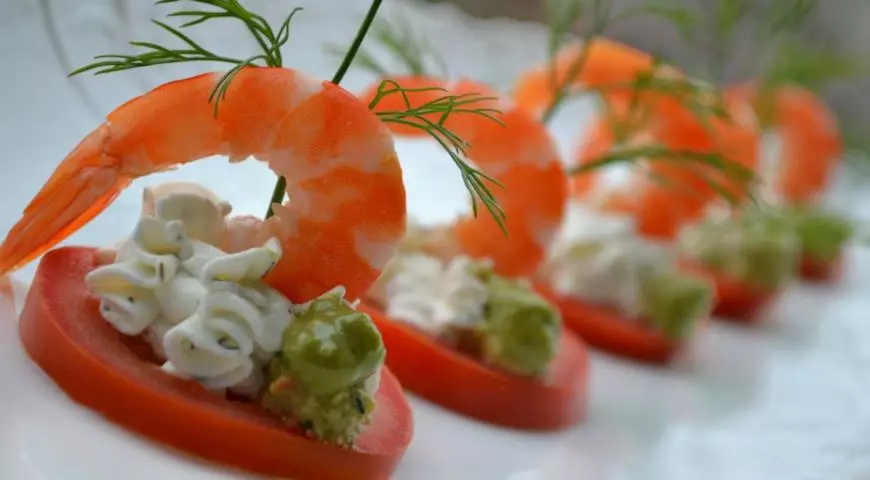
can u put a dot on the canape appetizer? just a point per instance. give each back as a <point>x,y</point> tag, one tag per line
<point>751,258</point>
<point>233,339</point>
<point>823,235</point>
<point>620,292</point>
<point>796,177</point>
<point>453,302</point>
<point>783,96</point>
<point>611,272</point>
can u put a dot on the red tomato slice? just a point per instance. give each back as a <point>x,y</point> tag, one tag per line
<point>64,334</point>
<point>609,330</point>
<point>735,300</point>
<point>821,271</point>
<point>461,383</point>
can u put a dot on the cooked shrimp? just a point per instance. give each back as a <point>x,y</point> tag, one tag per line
<point>521,155</point>
<point>664,195</point>
<point>607,63</point>
<point>810,139</point>
<point>346,212</point>
<point>616,73</point>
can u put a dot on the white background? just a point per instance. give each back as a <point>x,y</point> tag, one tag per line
<point>788,400</point>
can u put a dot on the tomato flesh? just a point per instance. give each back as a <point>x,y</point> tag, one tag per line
<point>736,301</point>
<point>463,384</point>
<point>607,329</point>
<point>62,332</point>
<point>821,271</point>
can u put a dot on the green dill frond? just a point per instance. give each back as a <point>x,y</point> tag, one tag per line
<point>811,67</point>
<point>152,54</point>
<point>442,108</point>
<point>692,160</point>
<point>786,17</point>
<point>399,39</point>
<point>565,15</point>
<point>281,185</point>
<point>683,17</point>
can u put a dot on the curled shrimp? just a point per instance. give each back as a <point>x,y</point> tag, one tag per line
<point>664,194</point>
<point>811,143</point>
<point>346,212</point>
<point>519,153</point>
<point>627,80</point>
<point>607,63</point>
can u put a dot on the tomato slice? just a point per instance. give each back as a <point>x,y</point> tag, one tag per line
<point>821,271</point>
<point>605,328</point>
<point>735,300</point>
<point>62,332</point>
<point>462,384</point>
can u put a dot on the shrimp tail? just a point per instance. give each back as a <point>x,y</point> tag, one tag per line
<point>84,184</point>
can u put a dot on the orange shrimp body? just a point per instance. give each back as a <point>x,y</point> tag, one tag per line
<point>521,155</point>
<point>811,140</point>
<point>667,194</point>
<point>607,63</point>
<point>347,209</point>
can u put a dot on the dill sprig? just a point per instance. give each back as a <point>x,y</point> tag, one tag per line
<point>700,98</point>
<point>727,16</point>
<point>680,16</point>
<point>421,118</point>
<point>786,16</point>
<point>399,39</point>
<point>271,41</point>
<point>788,58</point>
<point>564,15</point>
<point>808,66</point>
<point>280,186</point>
<point>663,153</point>
<point>153,54</point>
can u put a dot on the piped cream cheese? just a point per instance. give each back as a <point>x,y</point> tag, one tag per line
<point>599,258</point>
<point>206,312</point>
<point>431,295</point>
<point>238,322</point>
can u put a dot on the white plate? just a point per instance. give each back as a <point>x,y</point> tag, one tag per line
<point>789,400</point>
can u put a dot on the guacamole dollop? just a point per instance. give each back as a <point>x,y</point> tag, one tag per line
<point>322,378</point>
<point>519,331</point>
<point>673,301</point>
<point>759,248</point>
<point>822,234</point>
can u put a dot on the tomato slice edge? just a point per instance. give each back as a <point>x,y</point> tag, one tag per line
<point>607,330</point>
<point>822,271</point>
<point>179,413</point>
<point>461,383</point>
<point>735,300</point>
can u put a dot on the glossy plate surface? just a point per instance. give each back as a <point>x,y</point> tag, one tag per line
<point>786,400</point>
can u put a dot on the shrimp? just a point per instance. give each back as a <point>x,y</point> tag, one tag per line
<point>627,80</point>
<point>810,138</point>
<point>664,195</point>
<point>520,154</point>
<point>346,213</point>
<point>608,62</point>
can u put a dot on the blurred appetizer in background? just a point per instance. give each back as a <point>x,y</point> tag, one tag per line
<point>454,302</point>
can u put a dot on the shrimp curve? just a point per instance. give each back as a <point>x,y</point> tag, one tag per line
<point>520,154</point>
<point>346,213</point>
<point>811,140</point>
<point>608,63</point>
<point>664,195</point>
